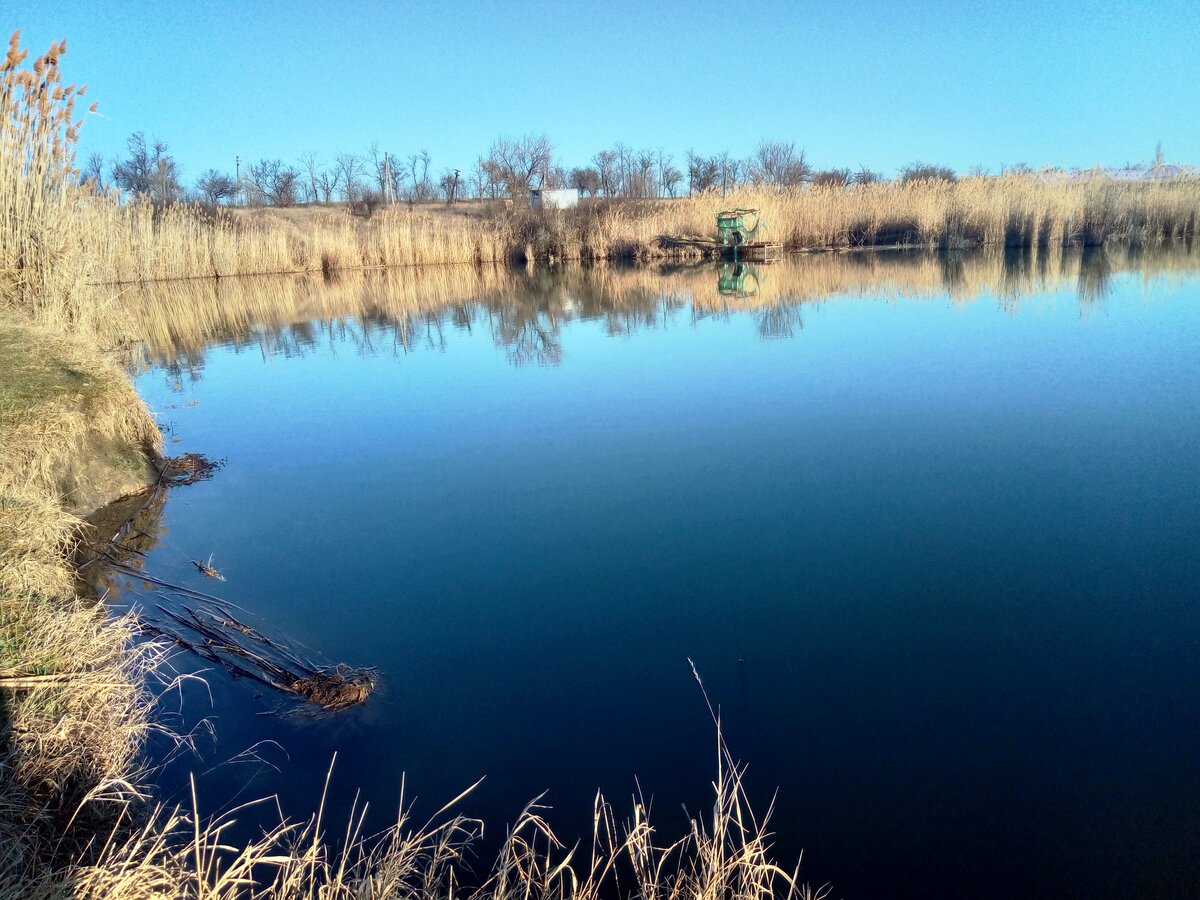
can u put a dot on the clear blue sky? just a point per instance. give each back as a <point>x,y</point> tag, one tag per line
<point>871,83</point>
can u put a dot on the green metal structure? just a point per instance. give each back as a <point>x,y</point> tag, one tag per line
<point>737,280</point>
<point>734,229</point>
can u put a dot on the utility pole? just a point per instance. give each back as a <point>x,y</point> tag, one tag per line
<point>237,165</point>
<point>389,193</point>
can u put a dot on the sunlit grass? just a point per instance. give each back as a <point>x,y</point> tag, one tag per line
<point>139,243</point>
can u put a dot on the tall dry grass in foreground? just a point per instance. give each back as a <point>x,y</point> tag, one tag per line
<point>73,707</point>
<point>725,855</point>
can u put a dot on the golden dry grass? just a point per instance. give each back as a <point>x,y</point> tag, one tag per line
<point>172,854</point>
<point>72,701</point>
<point>139,243</point>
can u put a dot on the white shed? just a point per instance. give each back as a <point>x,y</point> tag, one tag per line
<point>564,198</point>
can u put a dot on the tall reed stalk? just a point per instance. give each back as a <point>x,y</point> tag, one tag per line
<point>42,264</point>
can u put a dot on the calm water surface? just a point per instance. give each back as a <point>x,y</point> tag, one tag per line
<point>932,540</point>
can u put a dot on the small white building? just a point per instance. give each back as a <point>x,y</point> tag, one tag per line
<point>564,198</point>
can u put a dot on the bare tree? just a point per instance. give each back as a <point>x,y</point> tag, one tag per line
<point>385,168</point>
<point>214,186</point>
<point>920,171</point>
<point>92,173</point>
<point>421,188</point>
<point>866,176</point>
<point>348,169</point>
<point>310,166</point>
<point>515,164</point>
<point>703,172</point>
<point>149,171</point>
<point>667,184</point>
<point>729,170</point>
<point>777,163</point>
<point>448,185</point>
<point>327,181</point>
<point>377,166</point>
<point>481,179</point>
<point>585,180</point>
<point>642,181</point>
<point>555,177</point>
<point>272,182</point>
<point>831,177</point>
<point>606,169</point>
<point>671,178</point>
<point>624,167</point>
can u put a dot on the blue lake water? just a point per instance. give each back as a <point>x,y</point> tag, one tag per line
<point>932,541</point>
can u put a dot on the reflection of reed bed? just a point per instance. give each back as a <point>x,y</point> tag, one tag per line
<point>180,319</point>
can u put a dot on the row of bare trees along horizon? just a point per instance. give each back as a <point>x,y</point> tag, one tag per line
<point>510,169</point>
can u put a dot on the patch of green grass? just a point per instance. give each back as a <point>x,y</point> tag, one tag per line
<point>32,374</point>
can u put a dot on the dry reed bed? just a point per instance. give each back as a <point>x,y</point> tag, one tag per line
<point>139,243</point>
<point>71,687</point>
<point>726,856</point>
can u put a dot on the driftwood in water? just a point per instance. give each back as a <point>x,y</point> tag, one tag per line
<point>215,634</point>
<point>200,622</point>
<point>177,471</point>
<point>206,569</point>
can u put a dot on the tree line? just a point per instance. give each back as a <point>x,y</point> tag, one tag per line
<point>510,169</point>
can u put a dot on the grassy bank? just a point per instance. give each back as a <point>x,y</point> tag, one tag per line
<point>73,434</point>
<point>72,703</point>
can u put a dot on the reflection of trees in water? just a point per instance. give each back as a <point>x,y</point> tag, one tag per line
<point>524,336</point>
<point>526,310</point>
<point>780,321</point>
<point>1095,277</point>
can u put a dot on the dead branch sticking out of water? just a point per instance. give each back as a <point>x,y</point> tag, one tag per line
<point>206,626</point>
<point>215,634</point>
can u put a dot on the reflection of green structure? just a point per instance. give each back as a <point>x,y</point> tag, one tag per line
<point>734,229</point>
<point>737,279</point>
